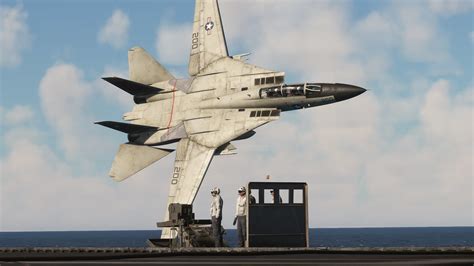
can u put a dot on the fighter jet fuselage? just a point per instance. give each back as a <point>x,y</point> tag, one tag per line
<point>223,100</point>
<point>223,90</point>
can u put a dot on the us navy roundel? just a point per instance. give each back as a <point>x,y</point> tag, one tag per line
<point>209,25</point>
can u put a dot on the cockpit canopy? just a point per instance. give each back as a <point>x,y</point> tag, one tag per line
<point>309,90</point>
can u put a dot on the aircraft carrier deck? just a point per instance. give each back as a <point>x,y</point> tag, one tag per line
<point>237,256</point>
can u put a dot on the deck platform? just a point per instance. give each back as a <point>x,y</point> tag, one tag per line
<point>256,256</point>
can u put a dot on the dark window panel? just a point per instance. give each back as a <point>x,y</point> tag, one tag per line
<point>270,80</point>
<point>279,79</point>
<point>275,113</point>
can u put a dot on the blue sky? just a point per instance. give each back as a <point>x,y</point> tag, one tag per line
<point>407,143</point>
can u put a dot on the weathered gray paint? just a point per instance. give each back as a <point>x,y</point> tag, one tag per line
<point>207,111</point>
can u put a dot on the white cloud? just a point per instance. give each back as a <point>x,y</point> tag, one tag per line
<point>38,181</point>
<point>173,43</point>
<point>408,27</point>
<point>63,93</point>
<point>15,36</point>
<point>42,191</point>
<point>419,170</point>
<point>451,7</point>
<point>443,117</point>
<point>420,34</point>
<point>322,43</point>
<point>68,192</point>
<point>471,35</point>
<point>115,30</point>
<point>377,24</point>
<point>316,41</point>
<point>66,102</point>
<point>19,114</point>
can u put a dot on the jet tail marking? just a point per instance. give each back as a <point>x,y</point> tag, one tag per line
<point>126,128</point>
<point>208,42</point>
<point>132,87</point>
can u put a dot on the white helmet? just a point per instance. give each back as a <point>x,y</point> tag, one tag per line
<point>216,190</point>
<point>242,189</point>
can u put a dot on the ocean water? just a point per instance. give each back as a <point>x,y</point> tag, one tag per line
<point>319,237</point>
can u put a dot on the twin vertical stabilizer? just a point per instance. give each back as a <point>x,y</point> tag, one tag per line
<point>144,71</point>
<point>208,42</point>
<point>143,68</point>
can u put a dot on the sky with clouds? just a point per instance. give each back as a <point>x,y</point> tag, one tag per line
<point>400,154</point>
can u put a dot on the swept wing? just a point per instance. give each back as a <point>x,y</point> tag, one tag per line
<point>206,139</point>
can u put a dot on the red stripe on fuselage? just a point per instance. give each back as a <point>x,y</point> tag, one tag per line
<point>172,105</point>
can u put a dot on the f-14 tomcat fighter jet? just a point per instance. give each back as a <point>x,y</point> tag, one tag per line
<point>223,100</point>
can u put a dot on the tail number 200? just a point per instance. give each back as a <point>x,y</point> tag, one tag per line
<point>175,177</point>
<point>195,40</point>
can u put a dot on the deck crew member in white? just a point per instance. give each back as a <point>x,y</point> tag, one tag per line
<point>241,216</point>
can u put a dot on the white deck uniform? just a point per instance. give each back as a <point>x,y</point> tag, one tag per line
<point>241,206</point>
<point>216,206</point>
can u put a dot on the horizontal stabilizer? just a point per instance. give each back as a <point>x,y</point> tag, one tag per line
<point>130,159</point>
<point>126,128</point>
<point>132,87</point>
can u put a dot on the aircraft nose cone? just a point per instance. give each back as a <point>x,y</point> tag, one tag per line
<point>346,91</point>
